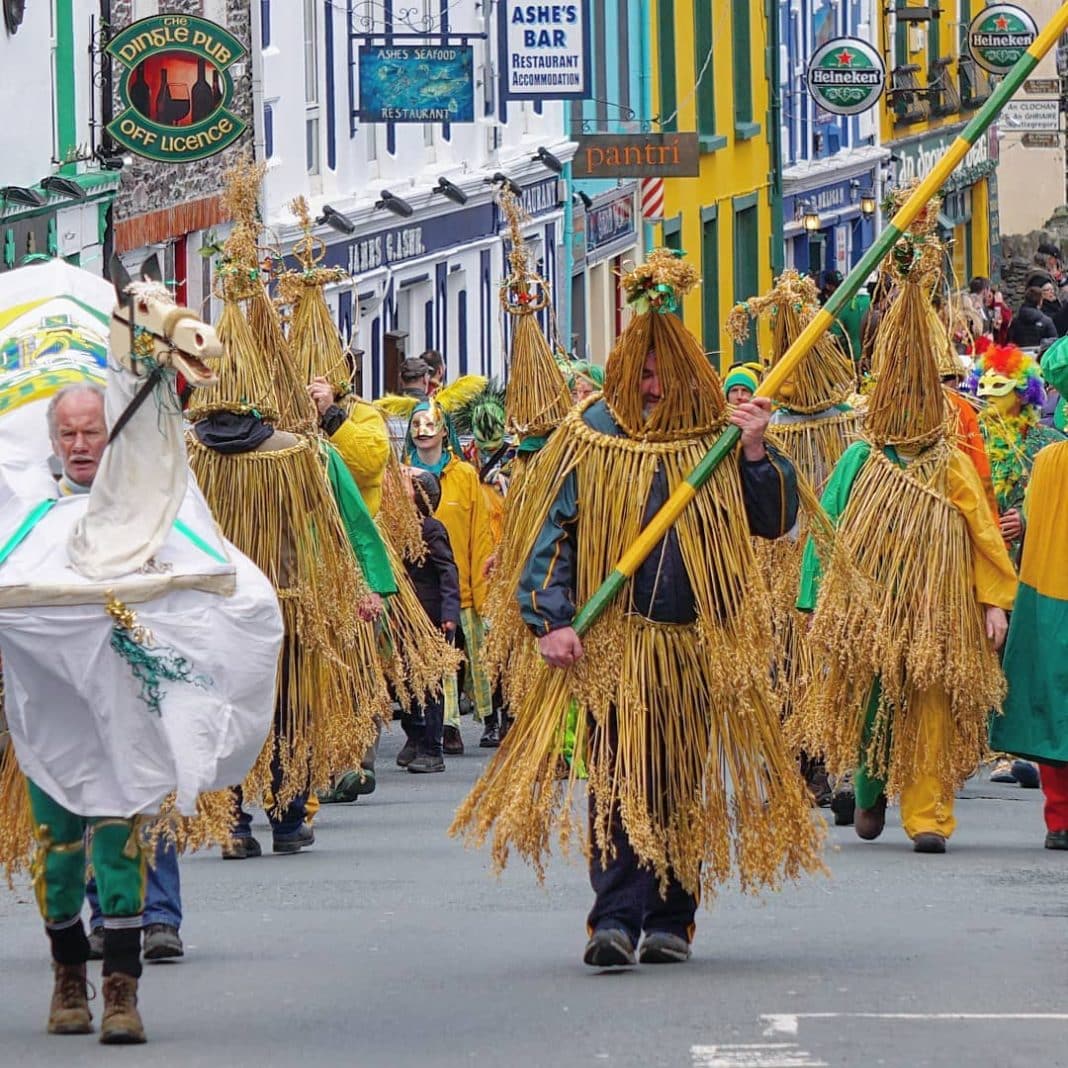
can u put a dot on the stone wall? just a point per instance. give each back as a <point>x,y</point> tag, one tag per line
<point>161,200</point>
<point>1018,252</point>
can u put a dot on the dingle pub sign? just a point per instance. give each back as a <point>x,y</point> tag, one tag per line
<point>177,90</point>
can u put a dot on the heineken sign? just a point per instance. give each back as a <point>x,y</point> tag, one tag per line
<point>846,76</point>
<point>999,35</point>
<point>176,91</point>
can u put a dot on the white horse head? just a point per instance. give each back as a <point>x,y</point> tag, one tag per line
<point>149,330</point>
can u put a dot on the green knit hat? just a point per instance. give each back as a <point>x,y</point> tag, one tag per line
<point>743,374</point>
<point>1054,369</point>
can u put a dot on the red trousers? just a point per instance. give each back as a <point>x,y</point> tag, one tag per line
<point>1055,788</point>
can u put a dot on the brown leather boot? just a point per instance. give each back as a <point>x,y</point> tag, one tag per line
<point>869,822</point>
<point>121,1025</point>
<point>69,1013</point>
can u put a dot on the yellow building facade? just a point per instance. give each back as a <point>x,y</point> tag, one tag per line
<point>933,87</point>
<point>709,75</point>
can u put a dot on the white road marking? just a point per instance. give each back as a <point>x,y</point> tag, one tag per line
<point>763,1055</point>
<point>787,1023</point>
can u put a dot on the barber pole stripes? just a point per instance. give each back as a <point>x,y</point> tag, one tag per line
<point>652,199</point>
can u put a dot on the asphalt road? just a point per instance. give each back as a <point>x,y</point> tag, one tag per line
<point>387,945</point>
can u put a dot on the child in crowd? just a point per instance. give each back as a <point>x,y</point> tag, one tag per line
<point>437,585</point>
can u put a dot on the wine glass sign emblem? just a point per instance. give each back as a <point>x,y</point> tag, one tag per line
<point>177,89</point>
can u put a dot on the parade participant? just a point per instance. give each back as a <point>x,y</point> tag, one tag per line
<point>1035,721</point>
<point>78,431</point>
<point>268,490</point>
<point>912,603</point>
<point>741,382</point>
<point>813,423</point>
<point>584,379</point>
<point>436,362</point>
<point>437,585</point>
<point>1009,382</point>
<point>463,512</point>
<point>686,764</point>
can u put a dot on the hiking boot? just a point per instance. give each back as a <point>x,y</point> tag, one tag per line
<point>609,947</point>
<point>121,1025</point>
<point>294,841</point>
<point>242,847</point>
<point>409,751</point>
<point>662,947</point>
<point>426,763</point>
<point>452,743</point>
<point>69,1012</point>
<point>869,822</point>
<point>1057,839</point>
<point>161,941</point>
<point>96,943</point>
<point>929,842</point>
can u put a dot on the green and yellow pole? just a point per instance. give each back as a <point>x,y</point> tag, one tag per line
<point>675,505</point>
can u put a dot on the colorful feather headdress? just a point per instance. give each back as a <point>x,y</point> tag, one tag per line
<point>1002,369</point>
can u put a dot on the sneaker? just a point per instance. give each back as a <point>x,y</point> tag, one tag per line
<point>1002,772</point>
<point>1026,774</point>
<point>241,847</point>
<point>609,947</point>
<point>452,742</point>
<point>426,763</point>
<point>662,947</point>
<point>350,787</point>
<point>929,843</point>
<point>96,943</point>
<point>161,941</point>
<point>408,753</point>
<point>491,737</point>
<point>294,841</point>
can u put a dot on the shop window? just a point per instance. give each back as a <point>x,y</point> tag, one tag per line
<point>668,89</point>
<point>742,53</point>
<point>710,282</point>
<point>311,87</point>
<point>746,263</point>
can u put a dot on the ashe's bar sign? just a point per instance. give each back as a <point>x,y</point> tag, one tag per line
<point>846,76</point>
<point>999,35</point>
<point>177,90</point>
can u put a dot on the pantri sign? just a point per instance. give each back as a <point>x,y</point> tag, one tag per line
<point>652,155</point>
<point>176,91</point>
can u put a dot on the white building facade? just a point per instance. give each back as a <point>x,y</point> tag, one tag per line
<point>428,278</point>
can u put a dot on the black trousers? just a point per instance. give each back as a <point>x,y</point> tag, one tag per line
<point>627,894</point>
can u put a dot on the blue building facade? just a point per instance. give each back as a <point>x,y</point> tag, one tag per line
<point>832,165</point>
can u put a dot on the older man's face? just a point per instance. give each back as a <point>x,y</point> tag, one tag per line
<point>81,435</point>
<point>650,385</point>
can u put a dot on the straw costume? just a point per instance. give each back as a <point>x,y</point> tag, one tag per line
<point>813,423</point>
<point>363,472</point>
<point>270,496</point>
<point>1009,383</point>
<point>689,778</point>
<point>911,675</point>
<point>1035,723</point>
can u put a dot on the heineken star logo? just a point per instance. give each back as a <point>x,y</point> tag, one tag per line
<point>999,36</point>
<point>846,76</point>
<point>845,57</point>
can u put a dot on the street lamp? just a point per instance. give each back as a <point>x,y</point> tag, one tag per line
<point>811,219</point>
<point>867,203</point>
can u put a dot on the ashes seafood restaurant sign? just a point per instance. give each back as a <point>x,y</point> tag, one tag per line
<point>544,50</point>
<point>999,35</point>
<point>177,90</point>
<point>846,76</point>
<point>424,83</point>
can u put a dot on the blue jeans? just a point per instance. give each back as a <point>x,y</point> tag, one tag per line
<point>163,892</point>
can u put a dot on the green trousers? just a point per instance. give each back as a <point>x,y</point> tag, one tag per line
<point>59,865</point>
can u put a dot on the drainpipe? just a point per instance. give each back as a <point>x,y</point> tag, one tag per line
<point>564,298</point>
<point>778,240</point>
<point>645,115</point>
